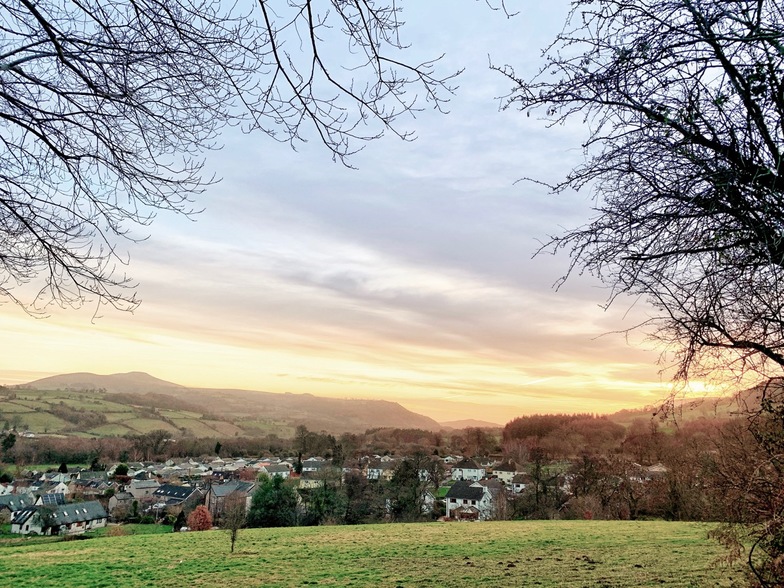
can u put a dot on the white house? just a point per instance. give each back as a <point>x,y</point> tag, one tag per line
<point>65,519</point>
<point>506,471</point>
<point>284,471</point>
<point>380,470</point>
<point>467,500</point>
<point>467,469</point>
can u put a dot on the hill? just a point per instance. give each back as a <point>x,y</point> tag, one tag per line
<point>136,402</point>
<point>707,407</point>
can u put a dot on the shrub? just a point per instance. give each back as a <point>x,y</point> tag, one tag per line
<point>117,531</point>
<point>200,519</point>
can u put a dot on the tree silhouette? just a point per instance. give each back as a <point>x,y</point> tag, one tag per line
<point>684,102</point>
<point>684,105</point>
<point>107,107</point>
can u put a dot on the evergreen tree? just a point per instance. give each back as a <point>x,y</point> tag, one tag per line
<point>274,504</point>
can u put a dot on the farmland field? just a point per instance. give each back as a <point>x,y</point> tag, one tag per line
<point>110,430</point>
<point>144,425</point>
<point>537,553</point>
<point>205,428</point>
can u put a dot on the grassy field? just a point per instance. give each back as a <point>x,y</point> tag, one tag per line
<point>539,553</point>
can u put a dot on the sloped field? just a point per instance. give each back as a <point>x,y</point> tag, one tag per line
<point>540,553</point>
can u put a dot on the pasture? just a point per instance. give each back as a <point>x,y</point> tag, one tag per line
<point>535,553</point>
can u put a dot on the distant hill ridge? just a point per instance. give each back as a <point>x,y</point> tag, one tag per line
<point>247,409</point>
<point>136,403</point>
<point>130,382</point>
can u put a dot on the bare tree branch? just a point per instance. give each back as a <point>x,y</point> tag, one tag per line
<point>684,103</point>
<point>108,106</point>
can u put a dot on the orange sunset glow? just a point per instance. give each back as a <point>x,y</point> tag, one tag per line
<point>411,278</point>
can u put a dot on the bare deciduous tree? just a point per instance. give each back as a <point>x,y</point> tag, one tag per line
<point>684,101</point>
<point>107,107</point>
<point>232,518</point>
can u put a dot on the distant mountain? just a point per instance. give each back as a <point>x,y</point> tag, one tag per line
<point>129,383</point>
<point>252,412</point>
<point>470,423</point>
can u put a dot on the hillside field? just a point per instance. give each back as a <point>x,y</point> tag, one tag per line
<point>91,405</point>
<point>535,553</point>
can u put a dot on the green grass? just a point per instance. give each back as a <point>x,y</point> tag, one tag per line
<point>15,407</point>
<point>134,529</point>
<point>118,417</point>
<point>179,414</point>
<point>110,430</point>
<point>144,425</point>
<point>540,553</point>
<point>44,467</point>
<point>30,404</point>
<point>197,428</point>
<point>266,427</point>
<point>224,429</point>
<point>40,422</point>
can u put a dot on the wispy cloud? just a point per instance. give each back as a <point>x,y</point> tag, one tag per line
<point>410,278</point>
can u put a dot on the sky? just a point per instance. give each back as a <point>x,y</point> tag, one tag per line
<point>411,278</point>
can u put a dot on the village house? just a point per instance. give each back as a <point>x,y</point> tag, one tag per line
<point>217,494</point>
<point>176,499</point>
<point>520,482</point>
<point>281,470</point>
<point>44,486</point>
<point>90,475</point>
<point>310,480</point>
<point>120,505</point>
<point>141,489</point>
<point>467,469</point>
<point>380,470</point>
<point>468,501</point>
<point>64,519</point>
<point>88,489</point>
<point>314,464</point>
<point>506,471</point>
<point>54,499</point>
<point>10,503</point>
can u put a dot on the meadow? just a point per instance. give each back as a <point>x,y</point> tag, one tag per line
<point>535,553</point>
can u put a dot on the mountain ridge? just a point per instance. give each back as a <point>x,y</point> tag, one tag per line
<point>242,407</point>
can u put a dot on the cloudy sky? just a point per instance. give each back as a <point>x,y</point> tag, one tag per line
<point>410,278</point>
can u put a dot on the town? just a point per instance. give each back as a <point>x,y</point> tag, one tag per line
<point>62,502</point>
<point>612,472</point>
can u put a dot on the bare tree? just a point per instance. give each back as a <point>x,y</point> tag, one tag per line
<point>233,516</point>
<point>684,102</point>
<point>107,107</point>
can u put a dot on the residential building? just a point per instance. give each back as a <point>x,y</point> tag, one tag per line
<point>64,519</point>
<point>468,500</point>
<point>217,494</point>
<point>467,469</point>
